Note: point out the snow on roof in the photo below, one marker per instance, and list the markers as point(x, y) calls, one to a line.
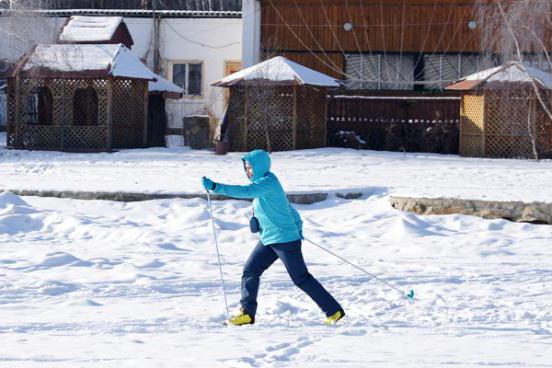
point(139, 13)
point(513, 72)
point(163, 85)
point(116, 60)
point(279, 70)
point(90, 29)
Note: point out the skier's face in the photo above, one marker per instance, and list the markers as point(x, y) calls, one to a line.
point(248, 169)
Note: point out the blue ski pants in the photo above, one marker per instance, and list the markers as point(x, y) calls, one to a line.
point(263, 256)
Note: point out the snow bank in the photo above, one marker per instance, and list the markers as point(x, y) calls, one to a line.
point(138, 283)
point(178, 170)
point(16, 216)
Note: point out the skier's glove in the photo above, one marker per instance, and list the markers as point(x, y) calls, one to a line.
point(208, 184)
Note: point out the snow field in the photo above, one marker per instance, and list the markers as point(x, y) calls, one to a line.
point(98, 284)
point(177, 170)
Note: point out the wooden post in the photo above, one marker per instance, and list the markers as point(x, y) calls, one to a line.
point(63, 122)
point(245, 119)
point(484, 123)
point(461, 126)
point(109, 112)
point(294, 126)
point(325, 117)
point(17, 120)
point(146, 120)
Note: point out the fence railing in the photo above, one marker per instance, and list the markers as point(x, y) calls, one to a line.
point(394, 121)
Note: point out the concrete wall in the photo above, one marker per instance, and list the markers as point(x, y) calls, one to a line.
point(251, 39)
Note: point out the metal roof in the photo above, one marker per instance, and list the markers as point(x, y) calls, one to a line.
point(141, 8)
point(139, 13)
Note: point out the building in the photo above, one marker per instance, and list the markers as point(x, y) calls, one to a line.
point(72, 97)
point(397, 56)
point(190, 43)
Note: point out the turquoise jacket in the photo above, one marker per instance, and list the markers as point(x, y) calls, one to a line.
point(279, 221)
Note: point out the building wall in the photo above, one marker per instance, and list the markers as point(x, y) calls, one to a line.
point(313, 32)
point(211, 42)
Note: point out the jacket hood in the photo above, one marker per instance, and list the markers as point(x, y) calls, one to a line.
point(259, 161)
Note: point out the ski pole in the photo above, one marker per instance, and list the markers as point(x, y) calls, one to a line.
point(409, 295)
point(218, 253)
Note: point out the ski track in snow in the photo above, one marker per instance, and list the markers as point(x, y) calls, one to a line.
point(99, 283)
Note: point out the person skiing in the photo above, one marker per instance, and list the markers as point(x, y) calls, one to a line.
point(280, 228)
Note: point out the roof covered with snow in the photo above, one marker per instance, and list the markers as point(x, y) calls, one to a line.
point(182, 5)
point(137, 8)
point(90, 59)
point(163, 85)
point(281, 71)
point(137, 13)
point(513, 72)
point(90, 29)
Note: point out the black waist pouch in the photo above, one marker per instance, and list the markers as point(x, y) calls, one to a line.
point(254, 225)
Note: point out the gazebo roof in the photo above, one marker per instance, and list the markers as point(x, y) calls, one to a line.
point(278, 71)
point(83, 29)
point(513, 72)
point(89, 60)
point(166, 88)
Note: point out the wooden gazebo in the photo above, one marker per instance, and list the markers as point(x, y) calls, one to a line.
point(276, 105)
point(501, 114)
point(78, 98)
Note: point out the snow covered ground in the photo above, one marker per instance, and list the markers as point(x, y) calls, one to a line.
point(105, 284)
point(330, 169)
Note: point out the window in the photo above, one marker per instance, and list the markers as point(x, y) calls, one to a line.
point(446, 68)
point(85, 107)
point(188, 77)
point(38, 107)
point(380, 71)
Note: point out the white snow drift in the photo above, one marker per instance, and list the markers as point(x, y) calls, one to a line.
point(104, 284)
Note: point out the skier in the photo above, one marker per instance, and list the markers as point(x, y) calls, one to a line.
point(280, 228)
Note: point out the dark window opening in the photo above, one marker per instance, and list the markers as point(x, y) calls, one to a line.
point(38, 108)
point(85, 107)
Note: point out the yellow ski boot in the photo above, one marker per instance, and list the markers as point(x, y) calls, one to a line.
point(332, 320)
point(240, 319)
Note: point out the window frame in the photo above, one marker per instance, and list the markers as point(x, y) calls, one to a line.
point(461, 59)
point(381, 63)
point(187, 63)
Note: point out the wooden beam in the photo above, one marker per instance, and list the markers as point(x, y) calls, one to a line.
point(294, 128)
point(109, 138)
point(146, 115)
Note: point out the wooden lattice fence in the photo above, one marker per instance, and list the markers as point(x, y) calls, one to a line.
point(82, 114)
point(276, 118)
point(394, 122)
point(505, 123)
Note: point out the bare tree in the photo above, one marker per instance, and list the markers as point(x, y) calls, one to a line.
point(517, 33)
point(22, 27)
